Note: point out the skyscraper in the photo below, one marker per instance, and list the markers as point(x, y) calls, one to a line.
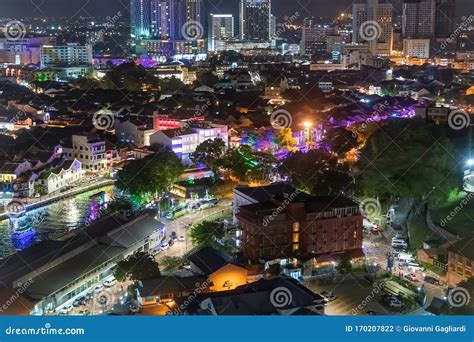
point(372, 24)
point(140, 17)
point(255, 20)
point(418, 19)
point(185, 15)
point(444, 18)
point(160, 18)
point(221, 27)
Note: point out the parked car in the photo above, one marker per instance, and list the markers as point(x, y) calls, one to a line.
point(411, 277)
point(432, 280)
point(171, 242)
point(415, 267)
point(328, 296)
point(98, 288)
point(182, 238)
point(84, 313)
point(395, 303)
point(77, 303)
point(165, 246)
point(66, 309)
point(110, 282)
point(375, 230)
point(174, 236)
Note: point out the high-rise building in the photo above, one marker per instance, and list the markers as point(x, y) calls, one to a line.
point(69, 54)
point(185, 18)
point(160, 18)
point(140, 17)
point(419, 48)
point(314, 39)
point(255, 20)
point(444, 18)
point(221, 28)
point(418, 19)
point(372, 24)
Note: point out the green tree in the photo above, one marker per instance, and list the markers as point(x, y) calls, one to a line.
point(247, 165)
point(316, 172)
point(171, 263)
point(143, 179)
point(344, 265)
point(209, 153)
point(411, 159)
point(207, 233)
point(136, 267)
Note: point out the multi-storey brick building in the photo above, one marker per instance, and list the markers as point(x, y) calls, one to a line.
point(460, 261)
point(300, 226)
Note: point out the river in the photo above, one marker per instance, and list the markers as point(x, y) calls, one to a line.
point(48, 223)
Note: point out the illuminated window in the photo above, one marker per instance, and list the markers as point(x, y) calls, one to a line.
point(296, 247)
point(296, 227)
point(296, 237)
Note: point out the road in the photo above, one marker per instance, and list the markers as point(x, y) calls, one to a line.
point(104, 300)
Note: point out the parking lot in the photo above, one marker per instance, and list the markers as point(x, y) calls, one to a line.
point(355, 295)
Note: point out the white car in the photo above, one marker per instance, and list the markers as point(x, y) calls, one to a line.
point(98, 288)
point(181, 238)
point(165, 246)
point(415, 267)
point(110, 282)
point(328, 296)
point(66, 309)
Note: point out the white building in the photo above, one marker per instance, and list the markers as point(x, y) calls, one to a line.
point(133, 132)
point(184, 141)
point(89, 150)
point(419, 48)
point(70, 54)
point(67, 173)
point(221, 28)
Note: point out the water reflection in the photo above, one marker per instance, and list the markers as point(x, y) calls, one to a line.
point(50, 222)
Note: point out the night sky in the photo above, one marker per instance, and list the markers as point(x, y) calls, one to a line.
point(307, 8)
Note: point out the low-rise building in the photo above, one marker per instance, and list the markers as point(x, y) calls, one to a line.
point(89, 150)
point(299, 226)
point(460, 261)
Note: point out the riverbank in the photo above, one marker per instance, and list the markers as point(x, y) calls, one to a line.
point(47, 200)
